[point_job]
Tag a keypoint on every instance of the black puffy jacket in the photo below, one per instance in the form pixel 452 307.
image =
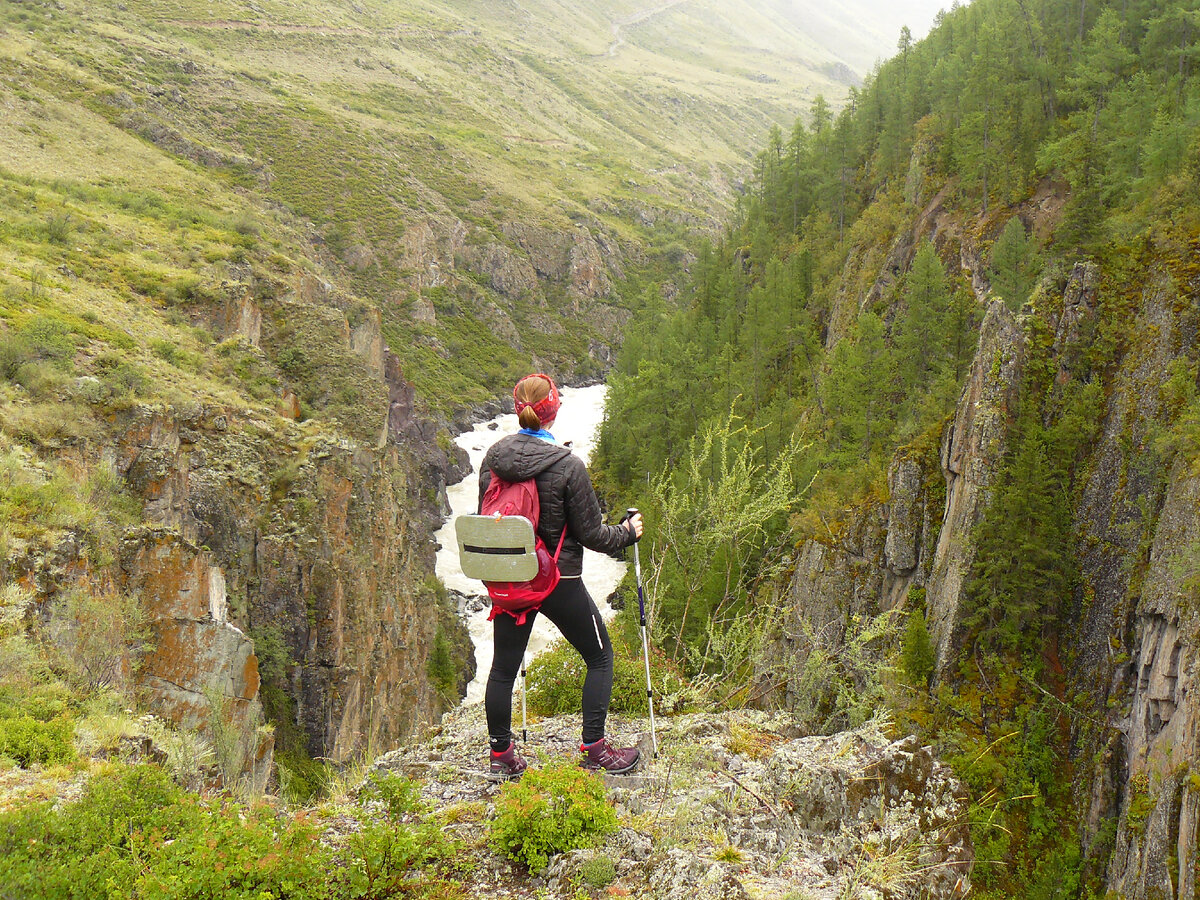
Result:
pixel 565 494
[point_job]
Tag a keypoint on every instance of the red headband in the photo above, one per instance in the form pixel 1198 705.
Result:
pixel 546 408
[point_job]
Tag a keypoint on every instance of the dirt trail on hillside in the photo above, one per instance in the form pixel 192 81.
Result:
pixel 635 19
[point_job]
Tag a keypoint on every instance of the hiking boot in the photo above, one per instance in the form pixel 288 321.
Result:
pixel 507 766
pixel 614 760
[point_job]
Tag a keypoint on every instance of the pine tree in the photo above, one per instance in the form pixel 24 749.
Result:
pixel 1021 572
pixel 1012 265
pixel 921 334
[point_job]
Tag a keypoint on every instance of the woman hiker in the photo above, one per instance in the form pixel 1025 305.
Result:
pixel 568 500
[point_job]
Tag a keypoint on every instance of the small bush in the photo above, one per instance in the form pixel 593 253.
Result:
pixel 556 680
pixel 94 636
pixel 30 742
pixel 38 354
pixel 598 872
pixel 120 377
pixel 135 833
pixel 165 350
pixel 59 227
pixel 440 666
pixel 292 360
pixel 551 810
pixel 397 795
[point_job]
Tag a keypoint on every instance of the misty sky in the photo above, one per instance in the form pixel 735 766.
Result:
pixel 916 14
pixel 863 31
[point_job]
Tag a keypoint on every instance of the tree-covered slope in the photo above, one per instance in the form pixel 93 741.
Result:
pixel 926 423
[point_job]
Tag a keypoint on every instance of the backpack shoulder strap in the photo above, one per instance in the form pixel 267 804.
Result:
pixel 562 537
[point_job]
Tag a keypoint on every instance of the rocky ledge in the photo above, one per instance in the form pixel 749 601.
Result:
pixel 736 805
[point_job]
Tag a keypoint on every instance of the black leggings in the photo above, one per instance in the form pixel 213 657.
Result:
pixel 573 611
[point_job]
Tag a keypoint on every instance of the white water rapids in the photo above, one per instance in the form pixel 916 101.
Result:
pixel 577 422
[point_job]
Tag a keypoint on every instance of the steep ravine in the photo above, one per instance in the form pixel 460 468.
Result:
pixel 1131 629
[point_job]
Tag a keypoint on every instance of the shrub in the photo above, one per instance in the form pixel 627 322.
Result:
pixel 440 668
pixel 37 355
pixel 134 833
pixel 29 742
pixel 94 636
pixel 598 872
pixel 59 227
pixel 556 679
pixel 120 377
pixel 397 795
pixel 165 350
pixel 551 810
pixel 292 360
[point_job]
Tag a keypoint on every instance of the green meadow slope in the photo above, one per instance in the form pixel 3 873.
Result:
pixel 432 161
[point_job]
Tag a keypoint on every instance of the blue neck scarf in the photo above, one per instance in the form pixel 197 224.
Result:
pixel 540 433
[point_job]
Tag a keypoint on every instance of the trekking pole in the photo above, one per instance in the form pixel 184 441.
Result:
pixel 524 721
pixel 637 570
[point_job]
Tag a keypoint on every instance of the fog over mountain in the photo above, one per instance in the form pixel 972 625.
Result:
pixel 860 32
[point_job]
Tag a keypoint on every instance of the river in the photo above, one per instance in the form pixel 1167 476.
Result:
pixel 578 420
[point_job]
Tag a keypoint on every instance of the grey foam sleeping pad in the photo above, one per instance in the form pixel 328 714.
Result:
pixel 496 548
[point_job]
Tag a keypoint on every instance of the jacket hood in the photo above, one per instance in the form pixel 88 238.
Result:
pixel 520 457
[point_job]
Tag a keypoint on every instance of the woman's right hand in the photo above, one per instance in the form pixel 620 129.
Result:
pixel 634 524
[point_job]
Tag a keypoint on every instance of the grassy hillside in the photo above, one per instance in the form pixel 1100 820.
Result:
pixel 383 147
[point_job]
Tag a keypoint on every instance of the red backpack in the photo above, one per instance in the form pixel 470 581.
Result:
pixel 519 598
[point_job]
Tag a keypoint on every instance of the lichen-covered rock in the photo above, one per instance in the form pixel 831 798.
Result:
pixel 366 339
pixel 972 452
pixel 548 249
pixel 849 783
pixel 905 516
pixel 735 806
pixel 199 664
pixel 507 273
pixel 680 875
pixel 588 274
pixel 1157 850
pixel 242 318
pixel 322 544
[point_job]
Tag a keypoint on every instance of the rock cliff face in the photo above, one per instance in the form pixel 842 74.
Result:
pixel 307 540
pixel 534 263
pixel 322 544
pixel 1158 841
pixel 1136 631
pixel 199 665
pixel 973 447
pixel 1132 627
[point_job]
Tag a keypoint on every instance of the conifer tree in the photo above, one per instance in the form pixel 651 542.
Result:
pixel 921 331
pixel 1012 265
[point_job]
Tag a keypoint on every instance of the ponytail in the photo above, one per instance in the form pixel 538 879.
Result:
pixel 529 419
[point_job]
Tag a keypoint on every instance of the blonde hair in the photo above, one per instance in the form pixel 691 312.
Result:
pixel 531 390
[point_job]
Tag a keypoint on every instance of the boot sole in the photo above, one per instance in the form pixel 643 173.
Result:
pixel 501 777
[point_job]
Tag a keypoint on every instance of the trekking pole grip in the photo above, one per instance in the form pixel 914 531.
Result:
pixel 629 514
